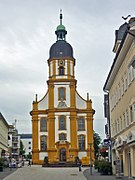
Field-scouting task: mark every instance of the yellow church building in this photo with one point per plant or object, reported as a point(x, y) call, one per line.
point(62, 121)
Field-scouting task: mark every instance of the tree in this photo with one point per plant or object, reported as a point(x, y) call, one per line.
point(22, 151)
point(97, 141)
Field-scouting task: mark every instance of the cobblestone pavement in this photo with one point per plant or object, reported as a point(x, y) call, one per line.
point(40, 173)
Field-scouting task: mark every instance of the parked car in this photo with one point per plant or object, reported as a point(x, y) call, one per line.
point(13, 164)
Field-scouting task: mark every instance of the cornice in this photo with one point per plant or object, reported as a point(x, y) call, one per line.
point(61, 80)
point(55, 110)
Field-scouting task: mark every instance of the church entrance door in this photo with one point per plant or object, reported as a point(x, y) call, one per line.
point(62, 154)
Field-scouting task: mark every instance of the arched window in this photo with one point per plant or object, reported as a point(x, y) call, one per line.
point(43, 124)
point(62, 123)
point(62, 93)
point(62, 136)
point(81, 124)
point(61, 71)
point(43, 142)
point(81, 142)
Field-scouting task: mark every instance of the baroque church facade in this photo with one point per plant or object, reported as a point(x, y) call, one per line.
point(62, 121)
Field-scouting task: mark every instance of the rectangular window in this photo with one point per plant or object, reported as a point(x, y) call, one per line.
point(62, 123)
point(131, 114)
point(81, 124)
point(116, 131)
point(119, 91)
point(126, 82)
point(116, 95)
point(43, 124)
point(130, 75)
point(124, 120)
point(121, 123)
point(127, 117)
point(43, 143)
point(122, 90)
point(62, 136)
point(81, 140)
point(118, 125)
point(62, 93)
point(61, 71)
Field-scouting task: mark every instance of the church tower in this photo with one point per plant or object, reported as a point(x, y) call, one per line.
point(62, 121)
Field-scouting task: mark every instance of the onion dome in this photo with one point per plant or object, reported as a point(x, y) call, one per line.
point(61, 49)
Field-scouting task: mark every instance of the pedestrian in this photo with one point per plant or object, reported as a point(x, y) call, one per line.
point(10, 163)
point(80, 165)
point(29, 163)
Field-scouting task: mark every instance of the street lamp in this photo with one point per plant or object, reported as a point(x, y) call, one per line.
point(90, 158)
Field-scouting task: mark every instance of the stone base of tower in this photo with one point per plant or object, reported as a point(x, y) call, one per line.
point(53, 159)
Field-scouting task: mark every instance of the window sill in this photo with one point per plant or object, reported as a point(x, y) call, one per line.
point(81, 129)
point(43, 150)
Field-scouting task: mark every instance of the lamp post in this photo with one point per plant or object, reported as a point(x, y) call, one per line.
point(90, 158)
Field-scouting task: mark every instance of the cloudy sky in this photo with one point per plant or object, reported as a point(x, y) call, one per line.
point(27, 30)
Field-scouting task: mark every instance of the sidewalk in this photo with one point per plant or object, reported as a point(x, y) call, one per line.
point(6, 172)
point(96, 176)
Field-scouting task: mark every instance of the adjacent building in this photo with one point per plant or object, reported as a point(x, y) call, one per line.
point(3, 136)
point(120, 89)
point(62, 121)
point(13, 142)
point(27, 142)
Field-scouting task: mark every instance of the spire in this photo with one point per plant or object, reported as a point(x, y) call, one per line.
point(88, 97)
point(61, 30)
point(60, 16)
point(36, 98)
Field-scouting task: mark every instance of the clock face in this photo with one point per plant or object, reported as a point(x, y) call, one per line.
point(61, 62)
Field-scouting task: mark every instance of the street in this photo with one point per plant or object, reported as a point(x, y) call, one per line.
point(39, 173)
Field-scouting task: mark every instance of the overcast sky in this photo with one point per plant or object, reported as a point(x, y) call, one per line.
point(27, 31)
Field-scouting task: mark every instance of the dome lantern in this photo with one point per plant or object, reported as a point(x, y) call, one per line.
point(61, 30)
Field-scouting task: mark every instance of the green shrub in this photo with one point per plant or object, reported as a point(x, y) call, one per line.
point(96, 164)
point(103, 166)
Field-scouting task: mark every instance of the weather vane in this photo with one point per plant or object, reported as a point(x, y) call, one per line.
point(125, 18)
